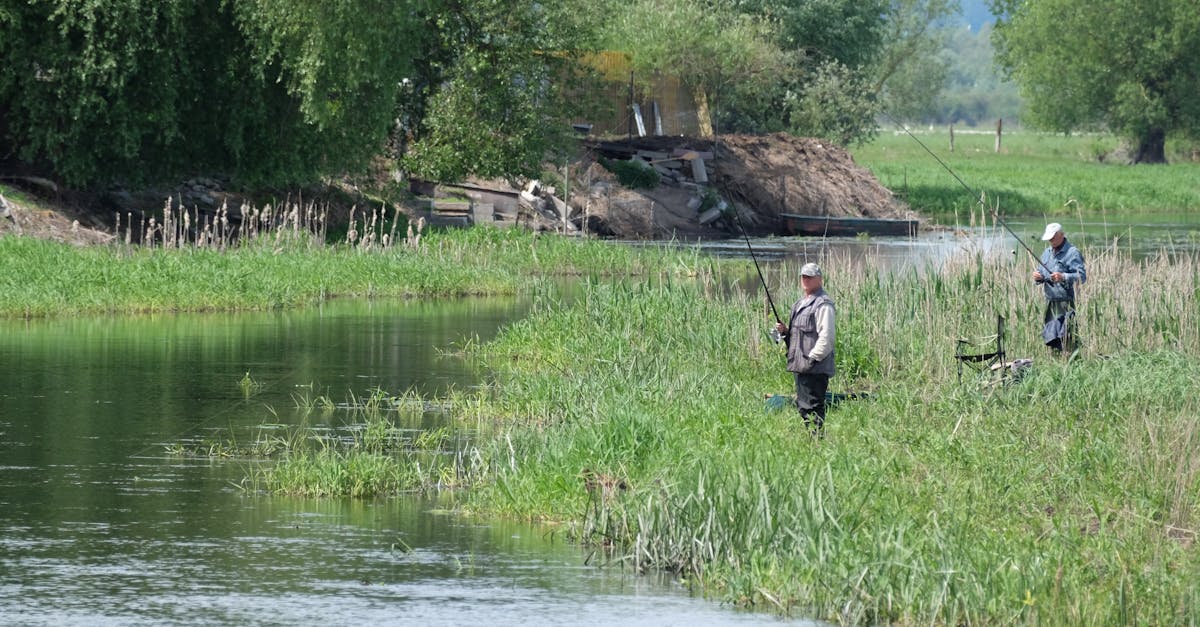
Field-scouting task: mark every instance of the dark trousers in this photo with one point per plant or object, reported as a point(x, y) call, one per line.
point(810, 398)
point(1054, 309)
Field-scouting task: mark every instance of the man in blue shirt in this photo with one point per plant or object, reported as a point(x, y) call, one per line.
point(1064, 263)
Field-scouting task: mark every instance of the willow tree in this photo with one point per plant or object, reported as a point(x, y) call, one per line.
point(1132, 66)
point(118, 90)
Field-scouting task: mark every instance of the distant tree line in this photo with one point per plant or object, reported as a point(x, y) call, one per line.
point(1131, 67)
point(976, 91)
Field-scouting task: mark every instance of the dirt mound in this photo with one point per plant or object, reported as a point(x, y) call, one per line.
point(762, 176)
point(22, 219)
point(775, 174)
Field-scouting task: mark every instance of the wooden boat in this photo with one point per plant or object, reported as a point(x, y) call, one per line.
point(795, 224)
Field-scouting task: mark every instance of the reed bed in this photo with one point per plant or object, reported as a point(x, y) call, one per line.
point(358, 449)
point(1067, 496)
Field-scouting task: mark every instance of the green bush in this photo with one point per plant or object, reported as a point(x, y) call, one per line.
point(632, 173)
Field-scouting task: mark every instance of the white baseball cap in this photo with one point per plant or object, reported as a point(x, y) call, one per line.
point(1051, 230)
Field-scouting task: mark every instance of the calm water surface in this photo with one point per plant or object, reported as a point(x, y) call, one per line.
point(1139, 236)
point(98, 525)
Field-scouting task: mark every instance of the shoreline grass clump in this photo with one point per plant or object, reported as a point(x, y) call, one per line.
point(1068, 496)
point(358, 449)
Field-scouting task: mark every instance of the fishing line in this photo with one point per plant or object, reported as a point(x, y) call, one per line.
point(995, 213)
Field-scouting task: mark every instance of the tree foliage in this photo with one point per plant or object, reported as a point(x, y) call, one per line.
point(1132, 66)
point(100, 90)
point(813, 67)
point(492, 95)
point(910, 74)
point(269, 91)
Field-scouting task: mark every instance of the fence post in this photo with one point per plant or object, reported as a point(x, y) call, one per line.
point(999, 125)
point(951, 138)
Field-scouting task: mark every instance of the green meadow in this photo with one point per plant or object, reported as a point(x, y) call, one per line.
point(1033, 173)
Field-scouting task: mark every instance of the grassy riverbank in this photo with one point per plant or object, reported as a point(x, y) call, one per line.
point(635, 416)
point(1067, 497)
point(44, 278)
point(1032, 174)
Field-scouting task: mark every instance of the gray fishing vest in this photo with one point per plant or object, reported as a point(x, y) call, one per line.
point(802, 329)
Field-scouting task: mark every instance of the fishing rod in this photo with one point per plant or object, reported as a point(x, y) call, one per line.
point(995, 213)
point(750, 248)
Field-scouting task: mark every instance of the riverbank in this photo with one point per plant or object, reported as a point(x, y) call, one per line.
point(291, 269)
point(893, 176)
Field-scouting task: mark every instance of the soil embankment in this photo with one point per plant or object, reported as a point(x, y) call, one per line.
point(759, 176)
point(702, 183)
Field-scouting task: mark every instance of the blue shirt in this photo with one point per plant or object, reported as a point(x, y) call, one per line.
point(1065, 259)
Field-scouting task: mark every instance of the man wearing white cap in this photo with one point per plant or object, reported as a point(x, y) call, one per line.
point(809, 336)
point(1064, 263)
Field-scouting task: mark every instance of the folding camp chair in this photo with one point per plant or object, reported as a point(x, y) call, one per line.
point(982, 354)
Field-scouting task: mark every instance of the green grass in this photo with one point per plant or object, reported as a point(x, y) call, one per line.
point(1031, 175)
point(43, 278)
point(636, 416)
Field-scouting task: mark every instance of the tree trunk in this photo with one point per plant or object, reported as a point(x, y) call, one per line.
point(1151, 147)
point(703, 116)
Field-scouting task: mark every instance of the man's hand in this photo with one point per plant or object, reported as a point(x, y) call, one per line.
point(781, 328)
point(1057, 277)
point(1037, 276)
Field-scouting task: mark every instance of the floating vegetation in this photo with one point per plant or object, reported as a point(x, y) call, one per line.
point(365, 454)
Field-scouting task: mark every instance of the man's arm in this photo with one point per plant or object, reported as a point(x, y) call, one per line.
point(825, 333)
point(1076, 272)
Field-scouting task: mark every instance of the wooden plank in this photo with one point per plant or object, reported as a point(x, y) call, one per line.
point(653, 155)
point(703, 154)
point(637, 117)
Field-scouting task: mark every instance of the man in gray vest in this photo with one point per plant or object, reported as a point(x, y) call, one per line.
point(809, 336)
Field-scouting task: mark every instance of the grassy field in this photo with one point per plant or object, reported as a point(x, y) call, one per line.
point(1032, 174)
point(635, 418)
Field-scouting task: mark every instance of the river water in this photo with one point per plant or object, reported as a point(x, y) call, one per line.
point(99, 525)
point(1139, 236)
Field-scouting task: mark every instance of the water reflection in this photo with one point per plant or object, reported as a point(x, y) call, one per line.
point(99, 526)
